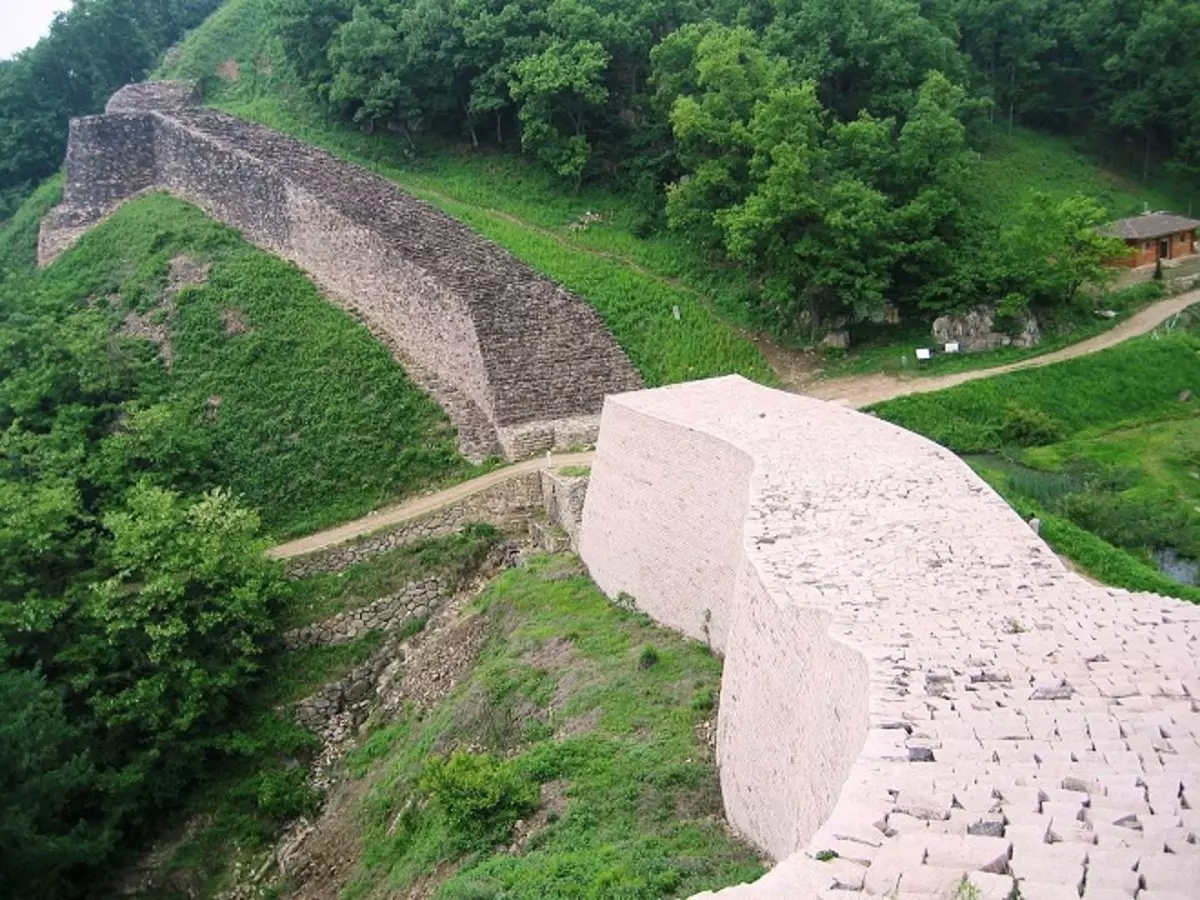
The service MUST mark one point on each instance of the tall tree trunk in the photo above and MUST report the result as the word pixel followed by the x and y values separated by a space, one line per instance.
pixel 1146 159
pixel 499 128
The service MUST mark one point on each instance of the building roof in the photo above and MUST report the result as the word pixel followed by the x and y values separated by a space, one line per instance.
pixel 1150 225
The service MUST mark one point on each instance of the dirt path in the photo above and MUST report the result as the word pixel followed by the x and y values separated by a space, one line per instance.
pixel 863 390
pixel 419 506
pixel 855 391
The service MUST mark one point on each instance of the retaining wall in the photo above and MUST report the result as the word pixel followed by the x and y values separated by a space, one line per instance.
pixel 518 363
pixel 915 689
pixel 509 505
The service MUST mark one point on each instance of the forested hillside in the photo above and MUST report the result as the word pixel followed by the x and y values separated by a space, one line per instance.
pixel 828 148
pixel 92 50
pixel 170 398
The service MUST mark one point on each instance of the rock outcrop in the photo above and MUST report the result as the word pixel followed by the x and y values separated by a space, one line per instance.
pixel 975 331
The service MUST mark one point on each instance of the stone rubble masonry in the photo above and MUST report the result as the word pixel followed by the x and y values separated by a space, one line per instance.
pixel 417 600
pixel 563 497
pixel 519 364
pixel 913 681
pixel 506 505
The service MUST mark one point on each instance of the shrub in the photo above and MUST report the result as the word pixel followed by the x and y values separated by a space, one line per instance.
pixel 648 659
pixel 1029 427
pixel 481 796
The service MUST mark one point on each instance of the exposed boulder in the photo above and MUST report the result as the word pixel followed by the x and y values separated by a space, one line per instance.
pixel 975 331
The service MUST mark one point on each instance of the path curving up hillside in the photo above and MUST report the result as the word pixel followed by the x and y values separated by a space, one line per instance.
pixel 856 391
pixel 419 506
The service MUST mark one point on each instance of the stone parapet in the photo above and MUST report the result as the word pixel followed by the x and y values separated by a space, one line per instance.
pixel 518 363
pixel 916 692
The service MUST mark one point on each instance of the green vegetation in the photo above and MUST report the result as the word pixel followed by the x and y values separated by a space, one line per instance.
pixel 93 49
pixel 1103 449
pixel 837 175
pixel 158 383
pixel 272 391
pixel 1018 165
pixel 19 235
pixel 563 713
pixel 453 558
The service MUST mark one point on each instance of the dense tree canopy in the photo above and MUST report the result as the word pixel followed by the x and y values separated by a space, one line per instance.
pixel 92 50
pixel 822 144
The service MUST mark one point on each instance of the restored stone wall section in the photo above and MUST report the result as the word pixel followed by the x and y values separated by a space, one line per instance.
pixel 688 490
pixel 663 522
pixel 519 364
pixel 912 681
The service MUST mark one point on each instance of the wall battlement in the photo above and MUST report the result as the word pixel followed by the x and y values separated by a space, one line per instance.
pixel 915 690
pixel 518 363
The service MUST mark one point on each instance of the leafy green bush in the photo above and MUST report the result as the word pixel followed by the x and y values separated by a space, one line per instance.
pixel 482 797
pixel 1029 427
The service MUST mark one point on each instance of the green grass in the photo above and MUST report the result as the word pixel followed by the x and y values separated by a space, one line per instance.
pixel 635 283
pixel 453 558
pixel 564 693
pixel 303 412
pixel 894 351
pixel 1014 168
pixel 1100 448
pixel 18 236
pixel 1139 380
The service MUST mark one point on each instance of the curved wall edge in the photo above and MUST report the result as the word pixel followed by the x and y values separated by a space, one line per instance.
pixel 916 692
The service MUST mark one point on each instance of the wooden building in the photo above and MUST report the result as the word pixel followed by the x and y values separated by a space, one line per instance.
pixel 1154 236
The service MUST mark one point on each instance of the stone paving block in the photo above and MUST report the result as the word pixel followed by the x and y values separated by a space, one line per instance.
pixel 1051 863
pixel 1104 893
pixel 907 851
pixel 933 880
pixel 1043 890
pixel 969 852
pixel 990 886
pixel 1171 873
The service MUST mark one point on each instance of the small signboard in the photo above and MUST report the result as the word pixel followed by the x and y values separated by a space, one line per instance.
pixel 952 347
pixel 924 353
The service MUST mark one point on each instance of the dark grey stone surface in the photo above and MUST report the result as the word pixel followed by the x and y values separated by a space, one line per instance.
pixel 520 364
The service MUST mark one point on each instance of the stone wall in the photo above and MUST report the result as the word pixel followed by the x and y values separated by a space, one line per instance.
pixel 915 690
pixel 416 601
pixel 563 497
pixel 519 364
pixel 508 505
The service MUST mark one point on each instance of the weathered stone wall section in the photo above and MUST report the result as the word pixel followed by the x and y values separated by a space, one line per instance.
pixel 520 364
pixel 508 505
pixel 913 682
pixel 417 600
pixel 563 497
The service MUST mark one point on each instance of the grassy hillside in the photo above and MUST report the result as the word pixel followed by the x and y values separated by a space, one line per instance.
pixel 271 390
pixel 18 236
pixel 1017 166
pixel 1105 449
pixel 634 282
pixel 576 717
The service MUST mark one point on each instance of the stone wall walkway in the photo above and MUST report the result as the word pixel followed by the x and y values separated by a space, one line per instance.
pixel 916 691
